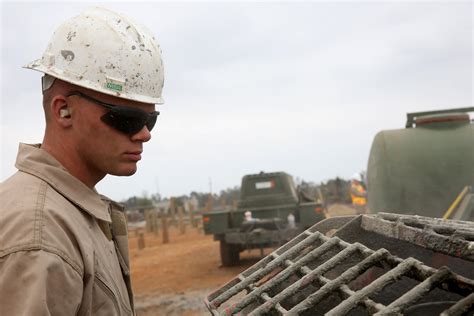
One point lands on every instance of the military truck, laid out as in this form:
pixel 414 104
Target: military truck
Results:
pixel 270 212
pixel 425 168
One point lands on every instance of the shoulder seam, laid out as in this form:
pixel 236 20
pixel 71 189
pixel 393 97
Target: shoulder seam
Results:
pixel 40 200
pixel 35 247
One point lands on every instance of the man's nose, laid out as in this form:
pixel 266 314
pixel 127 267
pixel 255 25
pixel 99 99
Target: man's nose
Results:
pixel 143 135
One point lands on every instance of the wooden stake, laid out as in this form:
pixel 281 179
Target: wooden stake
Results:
pixel 155 223
pixel 141 241
pixel 182 226
pixel 164 228
pixel 191 215
pixel 173 211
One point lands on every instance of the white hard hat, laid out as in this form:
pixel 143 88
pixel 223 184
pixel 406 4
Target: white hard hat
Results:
pixel 106 52
pixel 357 177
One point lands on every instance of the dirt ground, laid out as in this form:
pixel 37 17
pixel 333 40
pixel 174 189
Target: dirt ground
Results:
pixel 174 278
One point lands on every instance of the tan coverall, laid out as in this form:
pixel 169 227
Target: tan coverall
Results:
pixel 63 247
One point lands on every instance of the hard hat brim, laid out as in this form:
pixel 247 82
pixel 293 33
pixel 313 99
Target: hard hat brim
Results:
pixel 54 72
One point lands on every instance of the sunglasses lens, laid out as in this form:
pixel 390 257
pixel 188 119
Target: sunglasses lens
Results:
pixel 151 121
pixel 128 120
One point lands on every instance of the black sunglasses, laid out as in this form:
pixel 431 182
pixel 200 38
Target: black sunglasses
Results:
pixel 126 119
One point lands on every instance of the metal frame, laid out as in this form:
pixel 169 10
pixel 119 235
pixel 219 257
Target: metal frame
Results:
pixel 267 287
pixel 411 117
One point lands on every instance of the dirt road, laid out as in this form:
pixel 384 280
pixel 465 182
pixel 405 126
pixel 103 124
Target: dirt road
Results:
pixel 174 278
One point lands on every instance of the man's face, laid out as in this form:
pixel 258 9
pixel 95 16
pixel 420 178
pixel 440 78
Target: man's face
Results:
pixel 101 148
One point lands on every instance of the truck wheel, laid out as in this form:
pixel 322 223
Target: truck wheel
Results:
pixel 229 254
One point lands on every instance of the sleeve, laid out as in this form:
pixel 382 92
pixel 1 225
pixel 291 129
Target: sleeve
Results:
pixel 38 283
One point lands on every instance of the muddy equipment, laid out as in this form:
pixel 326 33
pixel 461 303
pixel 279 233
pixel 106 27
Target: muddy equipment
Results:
pixel 423 168
pixel 270 212
pixel 384 264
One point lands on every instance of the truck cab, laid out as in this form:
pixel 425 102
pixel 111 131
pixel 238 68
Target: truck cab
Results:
pixel 270 212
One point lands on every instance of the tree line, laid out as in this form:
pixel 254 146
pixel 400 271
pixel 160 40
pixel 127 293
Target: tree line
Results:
pixel 332 191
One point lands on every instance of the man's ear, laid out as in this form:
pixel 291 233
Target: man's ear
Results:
pixel 60 111
pixel 64 113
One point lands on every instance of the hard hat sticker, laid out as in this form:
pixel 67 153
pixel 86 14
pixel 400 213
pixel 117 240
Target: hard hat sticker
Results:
pixel 113 84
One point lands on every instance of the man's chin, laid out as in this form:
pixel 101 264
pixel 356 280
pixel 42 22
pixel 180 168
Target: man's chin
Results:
pixel 124 172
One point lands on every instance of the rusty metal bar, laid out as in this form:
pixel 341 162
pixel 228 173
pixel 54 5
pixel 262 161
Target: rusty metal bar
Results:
pixel 346 292
pixel 440 226
pixel 461 307
pixel 422 237
pixel 307 279
pixel 343 279
pixel 416 293
pixel 283 275
pixel 417 221
pixel 267 298
pixel 222 297
pixel 227 286
pixel 373 287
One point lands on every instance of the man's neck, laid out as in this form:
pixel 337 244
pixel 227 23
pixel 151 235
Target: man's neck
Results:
pixel 71 162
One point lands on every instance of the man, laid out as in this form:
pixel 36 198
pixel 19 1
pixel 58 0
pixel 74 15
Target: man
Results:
pixel 358 194
pixel 63 247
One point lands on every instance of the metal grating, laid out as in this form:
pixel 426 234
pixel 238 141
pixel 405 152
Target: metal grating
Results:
pixel 319 275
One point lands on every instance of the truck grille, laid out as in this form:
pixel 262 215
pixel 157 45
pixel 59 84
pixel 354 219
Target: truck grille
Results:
pixel 353 273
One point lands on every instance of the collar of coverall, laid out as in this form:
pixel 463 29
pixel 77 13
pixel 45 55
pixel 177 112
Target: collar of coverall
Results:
pixel 33 160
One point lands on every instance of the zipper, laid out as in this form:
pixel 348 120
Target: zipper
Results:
pixel 108 292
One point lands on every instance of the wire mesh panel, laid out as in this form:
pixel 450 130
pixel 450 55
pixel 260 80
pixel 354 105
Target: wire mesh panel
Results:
pixel 316 274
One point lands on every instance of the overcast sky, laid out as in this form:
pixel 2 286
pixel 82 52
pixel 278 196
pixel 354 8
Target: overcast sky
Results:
pixel 295 87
